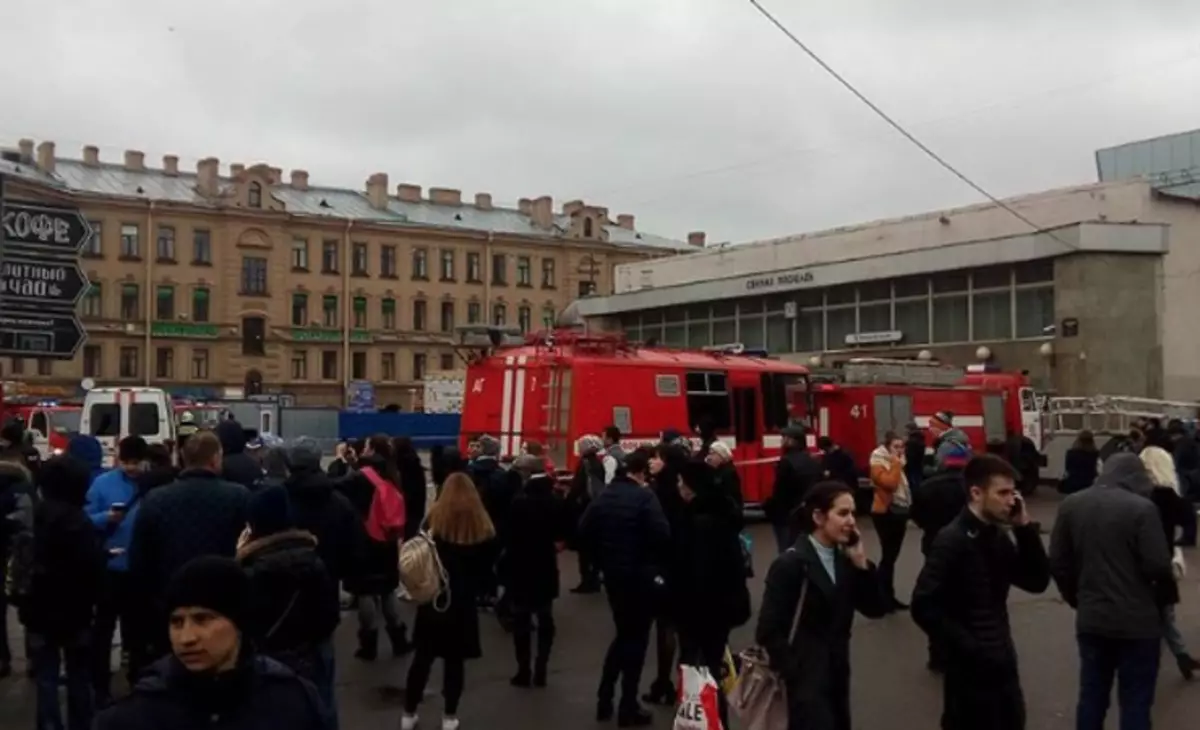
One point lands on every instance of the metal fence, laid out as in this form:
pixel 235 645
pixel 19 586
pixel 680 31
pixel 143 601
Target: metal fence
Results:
pixel 316 423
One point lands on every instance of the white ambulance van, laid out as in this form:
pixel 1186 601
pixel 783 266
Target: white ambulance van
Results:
pixel 111 414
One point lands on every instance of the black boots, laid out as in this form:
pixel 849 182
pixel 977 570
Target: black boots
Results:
pixel 522 635
pixel 368 646
pixel 398 636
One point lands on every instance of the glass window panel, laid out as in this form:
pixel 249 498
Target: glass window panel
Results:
pixel 633 334
pixel 779 334
pixel 991 277
pixel 950 281
pixel 653 316
pixel 698 335
pixel 750 306
pixel 840 294
pixel 750 331
pixel 875 291
pixel 675 336
pixel 875 318
pixel 775 303
pixel 912 320
pixel 912 286
pixel 630 320
pixel 950 321
pixel 809 297
pixel 675 314
pixel 725 308
pixel 810 331
pixel 1035 272
pixel 1035 311
pixel 652 331
pixel 840 322
pixel 698 311
pixel 724 332
pixel 992 316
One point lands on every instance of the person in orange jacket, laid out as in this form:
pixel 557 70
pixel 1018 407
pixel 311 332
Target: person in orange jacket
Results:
pixel 889 510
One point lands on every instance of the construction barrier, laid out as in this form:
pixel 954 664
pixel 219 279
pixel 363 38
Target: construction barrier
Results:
pixel 425 429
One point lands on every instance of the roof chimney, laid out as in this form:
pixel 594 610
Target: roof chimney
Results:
pixel 542 212
pixel 207 176
pixel 445 196
pixel 300 179
pixel 377 190
pixel 624 220
pixel 135 161
pixel 26 148
pixel 696 238
pixel 572 207
pixel 91 155
pixel 171 165
pixel 525 205
pixel 276 175
pixel 236 169
pixel 408 192
pixel 45 157
pixel 483 201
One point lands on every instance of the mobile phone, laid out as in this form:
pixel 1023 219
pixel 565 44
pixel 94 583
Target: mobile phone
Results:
pixel 115 552
pixel 1018 506
pixel 119 507
pixel 855 538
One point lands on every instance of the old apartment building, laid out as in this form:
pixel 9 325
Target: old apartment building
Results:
pixel 215 281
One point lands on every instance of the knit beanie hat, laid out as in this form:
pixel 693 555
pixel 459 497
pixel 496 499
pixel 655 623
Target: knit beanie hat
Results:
pixel 270 511
pixel 212 582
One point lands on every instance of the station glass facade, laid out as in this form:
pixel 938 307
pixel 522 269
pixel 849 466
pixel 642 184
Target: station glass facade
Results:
pixel 998 303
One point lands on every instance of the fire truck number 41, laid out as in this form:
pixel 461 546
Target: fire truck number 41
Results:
pixel 857 411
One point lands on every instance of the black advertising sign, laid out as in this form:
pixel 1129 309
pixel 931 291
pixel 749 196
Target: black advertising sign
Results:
pixel 45 227
pixel 47 282
pixel 38 334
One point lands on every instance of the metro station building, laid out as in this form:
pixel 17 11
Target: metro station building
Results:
pixel 1102 297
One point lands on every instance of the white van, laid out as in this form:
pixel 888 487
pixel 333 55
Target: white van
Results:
pixel 111 414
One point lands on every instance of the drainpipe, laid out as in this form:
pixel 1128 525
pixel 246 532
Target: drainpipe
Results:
pixel 486 269
pixel 151 296
pixel 347 306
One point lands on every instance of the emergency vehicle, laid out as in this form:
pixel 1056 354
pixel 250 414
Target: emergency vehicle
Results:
pixel 555 386
pixel 51 422
pixel 111 414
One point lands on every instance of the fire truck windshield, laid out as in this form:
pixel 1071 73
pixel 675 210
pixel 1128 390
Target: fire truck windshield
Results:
pixel 799 400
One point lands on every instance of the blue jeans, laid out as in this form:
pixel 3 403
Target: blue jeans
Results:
pixel 1134 665
pixel 46 655
pixel 324 680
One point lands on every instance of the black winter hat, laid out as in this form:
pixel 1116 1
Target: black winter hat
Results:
pixel 270 511
pixel 216 583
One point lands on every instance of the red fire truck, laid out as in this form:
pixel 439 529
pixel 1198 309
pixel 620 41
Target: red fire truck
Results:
pixel 556 386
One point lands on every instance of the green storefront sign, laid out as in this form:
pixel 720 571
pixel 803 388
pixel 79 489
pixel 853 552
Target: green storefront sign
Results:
pixel 331 336
pixel 182 329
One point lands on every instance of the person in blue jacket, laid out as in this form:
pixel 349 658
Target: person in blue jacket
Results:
pixel 88 450
pixel 112 506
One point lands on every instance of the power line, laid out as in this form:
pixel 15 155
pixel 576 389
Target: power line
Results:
pixel 894 124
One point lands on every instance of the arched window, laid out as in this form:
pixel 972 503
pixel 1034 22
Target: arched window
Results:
pixel 254 195
pixel 587 227
pixel 254 383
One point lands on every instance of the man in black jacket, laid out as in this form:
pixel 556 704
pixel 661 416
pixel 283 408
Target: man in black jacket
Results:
pixel 627 531
pixel 961 598
pixel 325 512
pixel 795 474
pixel 236 465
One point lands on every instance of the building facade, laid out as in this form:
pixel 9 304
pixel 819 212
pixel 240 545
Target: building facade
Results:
pixel 1098 296
pixel 221 284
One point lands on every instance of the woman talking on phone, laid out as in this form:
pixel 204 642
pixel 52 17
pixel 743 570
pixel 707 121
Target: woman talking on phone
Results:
pixel 816 586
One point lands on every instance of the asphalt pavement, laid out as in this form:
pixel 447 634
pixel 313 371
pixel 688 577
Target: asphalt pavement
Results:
pixel 891 687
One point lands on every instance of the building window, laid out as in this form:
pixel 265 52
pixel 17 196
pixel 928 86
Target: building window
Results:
pixel 329 310
pixel 499 269
pixel 92 361
pixel 447 265
pixel 358 262
pixel 299 309
pixel 499 315
pixel 418 366
pixel 45 367
pixel 200 305
pixel 991 315
pixel 254 275
pixel 201 246
pixel 300 365
pixel 447 316
pixel 127 366
pixel 388 309
pixel 474 269
pixel 329 364
pixel 1035 311
pixel 549 315
pixel 447 362
pixel 420 264
pixel 587 288
pixel 875 317
pixel 299 254
pixel 387 261
pixel 130 249
pixel 548 274
pixel 166 244
pixel 587 227
pixel 254 195
pixel 130 299
pixel 950 320
pixel 474 313
pixel 200 363
pixel 525 318
pixel 164 362
pixel 164 308
pixel 419 315
pixel 360 313
pixel 387 366
pixel 254 336
pixel 358 365
pixel 16 366
pixel 839 323
pixel 94 245
pixel 329 256
pixel 93 302
pixel 524 271
pixel 912 321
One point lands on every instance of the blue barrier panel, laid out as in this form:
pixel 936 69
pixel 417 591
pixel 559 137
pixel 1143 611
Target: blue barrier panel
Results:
pixel 425 429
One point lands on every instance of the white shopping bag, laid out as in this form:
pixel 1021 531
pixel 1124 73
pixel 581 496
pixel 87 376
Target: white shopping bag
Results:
pixel 697 708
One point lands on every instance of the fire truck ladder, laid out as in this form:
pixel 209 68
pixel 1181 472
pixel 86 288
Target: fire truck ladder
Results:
pixel 880 371
pixel 1110 414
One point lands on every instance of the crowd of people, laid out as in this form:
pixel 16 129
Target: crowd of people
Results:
pixel 223 562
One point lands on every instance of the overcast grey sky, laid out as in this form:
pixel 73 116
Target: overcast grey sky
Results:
pixel 691 114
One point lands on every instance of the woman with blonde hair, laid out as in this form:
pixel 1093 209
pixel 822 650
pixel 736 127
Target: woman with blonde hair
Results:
pixel 1173 509
pixel 465 540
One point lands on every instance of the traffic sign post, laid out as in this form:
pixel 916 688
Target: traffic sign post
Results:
pixel 40 279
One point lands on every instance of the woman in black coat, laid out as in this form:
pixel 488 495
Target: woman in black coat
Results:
pixel 814 662
pixel 412 482
pixel 448 628
pixel 1081 465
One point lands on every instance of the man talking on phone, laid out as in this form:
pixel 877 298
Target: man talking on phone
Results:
pixel 961 598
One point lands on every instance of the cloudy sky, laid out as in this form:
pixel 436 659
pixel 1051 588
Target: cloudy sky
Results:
pixel 691 114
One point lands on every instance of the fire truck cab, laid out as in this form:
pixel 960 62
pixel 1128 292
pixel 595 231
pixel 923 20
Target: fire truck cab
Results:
pixel 556 386
pixel 52 425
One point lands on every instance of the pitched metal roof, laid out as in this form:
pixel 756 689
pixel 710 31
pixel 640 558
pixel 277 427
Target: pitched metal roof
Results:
pixel 113 180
